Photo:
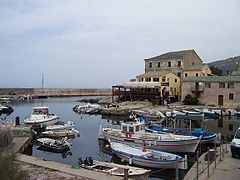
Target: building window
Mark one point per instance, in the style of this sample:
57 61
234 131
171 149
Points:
142 79
155 79
193 63
196 74
150 65
208 85
169 64
221 85
230 127
231 96
179 74
179 63
158 64
186 74
175 80
163 78
231 85
148 79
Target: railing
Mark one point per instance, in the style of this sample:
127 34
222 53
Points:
205 165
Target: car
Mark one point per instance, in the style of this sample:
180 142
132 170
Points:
235 144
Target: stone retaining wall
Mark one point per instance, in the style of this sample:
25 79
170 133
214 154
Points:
55 91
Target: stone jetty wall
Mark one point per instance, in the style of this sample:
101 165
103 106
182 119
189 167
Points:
55 92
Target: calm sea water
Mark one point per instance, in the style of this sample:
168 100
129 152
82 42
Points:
88 125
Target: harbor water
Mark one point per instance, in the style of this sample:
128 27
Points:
88 125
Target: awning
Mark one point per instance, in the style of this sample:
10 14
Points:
141 85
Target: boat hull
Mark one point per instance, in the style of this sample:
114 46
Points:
162 145
41 122
70 133
135 155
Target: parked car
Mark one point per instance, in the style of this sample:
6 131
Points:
235 144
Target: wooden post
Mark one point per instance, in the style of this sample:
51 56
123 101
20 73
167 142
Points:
197 165
118 93
176 173
125 173
215 154
208 163
112 94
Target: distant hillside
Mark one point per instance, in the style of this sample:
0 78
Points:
228 65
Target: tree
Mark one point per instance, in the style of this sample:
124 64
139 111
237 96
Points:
190 100
216 71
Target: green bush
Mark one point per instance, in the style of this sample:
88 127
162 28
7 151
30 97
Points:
9 169
190 100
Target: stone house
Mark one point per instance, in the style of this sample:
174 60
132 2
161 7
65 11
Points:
178 62
213 90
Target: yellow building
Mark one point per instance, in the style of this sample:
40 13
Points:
197 71
169 83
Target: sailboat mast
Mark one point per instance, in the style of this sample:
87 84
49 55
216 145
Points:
42 80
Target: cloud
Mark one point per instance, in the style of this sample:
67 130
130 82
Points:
108 40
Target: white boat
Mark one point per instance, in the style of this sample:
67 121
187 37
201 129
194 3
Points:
111 168
69 125
62 133
41 117
6 109
54 145
87 108
193 112
134 133
147 157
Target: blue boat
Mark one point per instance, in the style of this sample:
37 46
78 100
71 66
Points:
207 137
155 128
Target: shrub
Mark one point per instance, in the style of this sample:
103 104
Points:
190 100
9 169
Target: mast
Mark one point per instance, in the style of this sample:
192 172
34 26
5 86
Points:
42 80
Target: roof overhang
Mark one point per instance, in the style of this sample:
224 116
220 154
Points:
141 85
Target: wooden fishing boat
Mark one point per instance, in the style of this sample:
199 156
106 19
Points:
111 168
134 133
148 158
206 137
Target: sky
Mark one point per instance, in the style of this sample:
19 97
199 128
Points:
100 43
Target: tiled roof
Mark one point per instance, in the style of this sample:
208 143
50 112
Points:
172 55
212 79
195 67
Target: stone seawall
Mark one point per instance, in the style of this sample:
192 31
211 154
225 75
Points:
55 92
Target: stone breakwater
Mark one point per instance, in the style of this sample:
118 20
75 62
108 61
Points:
55 92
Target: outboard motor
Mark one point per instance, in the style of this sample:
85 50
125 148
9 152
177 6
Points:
90 161
86 161
80 161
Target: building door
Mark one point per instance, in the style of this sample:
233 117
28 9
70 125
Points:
220 100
